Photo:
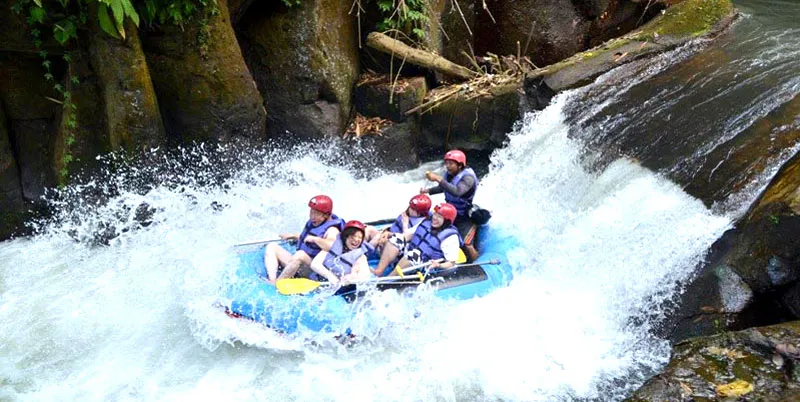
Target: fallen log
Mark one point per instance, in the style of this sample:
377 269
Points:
422 58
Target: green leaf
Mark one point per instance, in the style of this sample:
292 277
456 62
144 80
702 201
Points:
75 80
105 21
119 15
130 11
38 2
70 140
37 15
65 31
48 76
46 64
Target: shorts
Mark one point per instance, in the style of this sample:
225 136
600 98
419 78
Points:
414 257
397 240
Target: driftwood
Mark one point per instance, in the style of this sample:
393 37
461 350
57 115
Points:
383 43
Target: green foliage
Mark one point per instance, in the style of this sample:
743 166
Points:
176 12
407 16
291 3
65 18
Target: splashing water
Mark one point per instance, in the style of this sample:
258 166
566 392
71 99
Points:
136 319
114 298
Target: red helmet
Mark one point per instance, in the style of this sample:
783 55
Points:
456 156
355 224
420 203
321 203
447 211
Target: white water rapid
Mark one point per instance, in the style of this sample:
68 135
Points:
134 320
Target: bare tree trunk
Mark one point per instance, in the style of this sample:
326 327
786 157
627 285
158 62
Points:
383 43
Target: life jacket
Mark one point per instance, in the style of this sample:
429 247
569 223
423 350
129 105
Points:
429 245
463 203
397 226
311 248
340 263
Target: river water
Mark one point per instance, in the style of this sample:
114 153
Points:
100 307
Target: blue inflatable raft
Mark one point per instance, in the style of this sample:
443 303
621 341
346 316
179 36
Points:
246 294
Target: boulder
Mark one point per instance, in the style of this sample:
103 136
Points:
471 121
395 149
752 278
305 62
204 88
10 186
757 364
378 96
131 110
545 30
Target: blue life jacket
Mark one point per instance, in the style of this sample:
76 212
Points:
429 245
340 263
397 226
463 203
311 248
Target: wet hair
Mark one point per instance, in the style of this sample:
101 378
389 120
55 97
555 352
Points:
347 233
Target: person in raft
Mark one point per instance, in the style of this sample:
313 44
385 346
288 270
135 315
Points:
435 239
419 207
343 259
321 223
459 186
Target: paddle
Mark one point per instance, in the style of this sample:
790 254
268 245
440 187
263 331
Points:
464 265
250 243
297 286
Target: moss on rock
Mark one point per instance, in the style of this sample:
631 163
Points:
131 110
204 89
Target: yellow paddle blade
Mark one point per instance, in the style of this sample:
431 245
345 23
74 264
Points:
461 257
296 286
399 271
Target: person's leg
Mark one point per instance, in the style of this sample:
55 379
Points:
468 231
274 256
299 259
391 250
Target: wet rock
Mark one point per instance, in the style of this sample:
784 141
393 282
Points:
760 259
677 25
754 364
204 89
378 96
471 123
396 149
90 137
32 145
131 109
546 30
305 62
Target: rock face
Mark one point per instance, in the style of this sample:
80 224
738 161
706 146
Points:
478 123
10 187
755 364
379 97
204 89
305 62
547 31
30 119
754 279
131 109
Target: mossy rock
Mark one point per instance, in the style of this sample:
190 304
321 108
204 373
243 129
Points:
305 62
131 109
373 96
679 24
204 89
755 364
